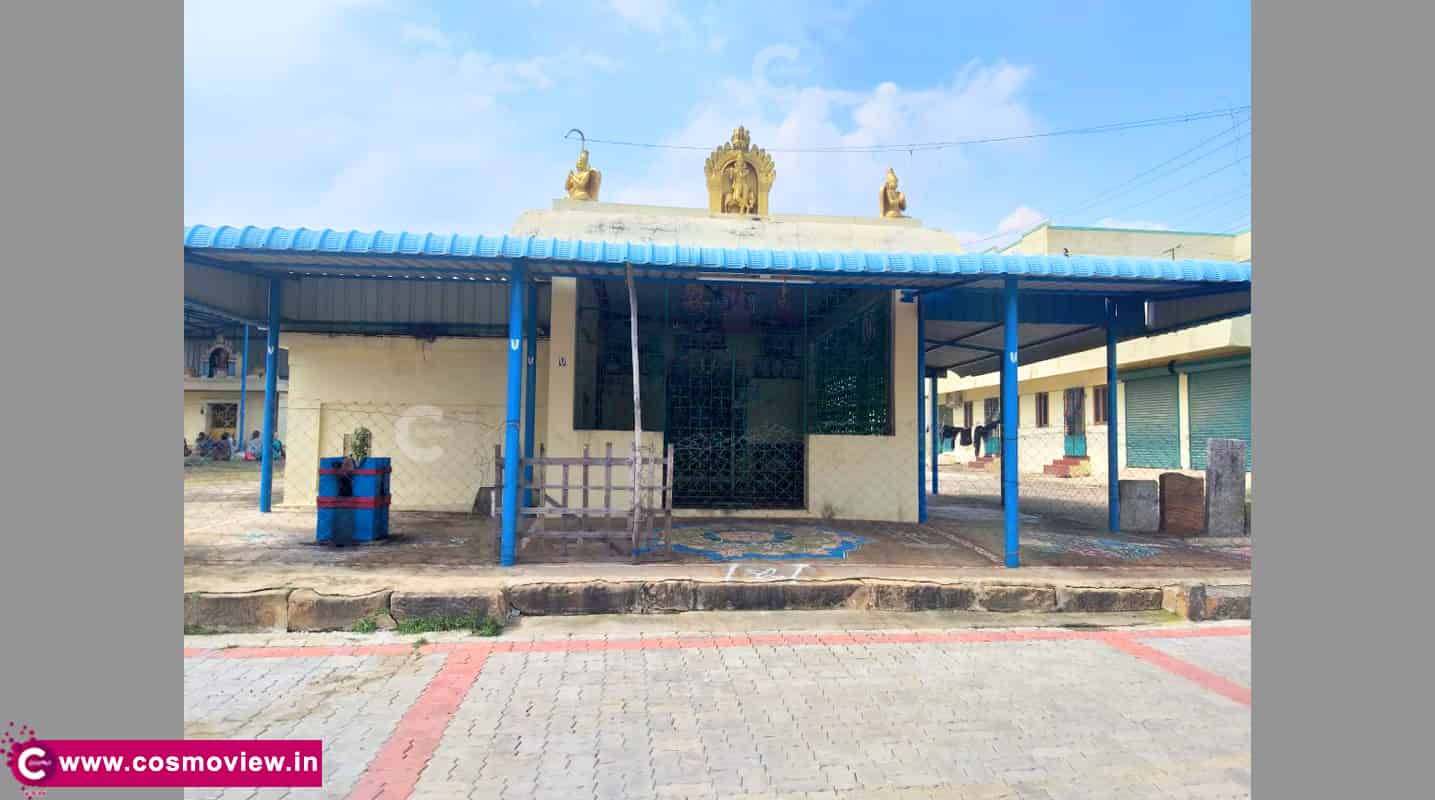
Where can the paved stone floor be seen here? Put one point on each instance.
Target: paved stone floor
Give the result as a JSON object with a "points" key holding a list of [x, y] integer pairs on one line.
{"points": [[223, 528], [793, 711]]}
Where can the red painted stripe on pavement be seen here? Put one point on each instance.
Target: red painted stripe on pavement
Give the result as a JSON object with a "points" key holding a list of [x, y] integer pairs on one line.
{"points": [[394, 772], [678, 643], [1185, 669]]}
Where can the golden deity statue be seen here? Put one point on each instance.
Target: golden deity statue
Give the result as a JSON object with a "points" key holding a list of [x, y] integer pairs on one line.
{"points": [[739, 177], [583, 181], [891, 201]]}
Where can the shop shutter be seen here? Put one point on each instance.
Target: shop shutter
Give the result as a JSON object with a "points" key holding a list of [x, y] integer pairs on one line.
{"points": [[1153, 430], [1220, 409]]}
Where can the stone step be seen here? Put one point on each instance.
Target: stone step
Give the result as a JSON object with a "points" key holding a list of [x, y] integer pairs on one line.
{"points": [[305, 609]]}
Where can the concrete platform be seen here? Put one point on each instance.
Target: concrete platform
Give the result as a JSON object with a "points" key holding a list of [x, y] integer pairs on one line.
{"points": [[250, 571]]}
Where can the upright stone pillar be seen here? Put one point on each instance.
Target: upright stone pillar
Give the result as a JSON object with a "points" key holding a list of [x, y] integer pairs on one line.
{"points": [[1225, 487]]}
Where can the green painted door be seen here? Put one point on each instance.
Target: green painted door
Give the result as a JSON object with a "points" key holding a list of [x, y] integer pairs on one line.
{"points": [[1220, 409], [1074, 420], [1152, 419]]}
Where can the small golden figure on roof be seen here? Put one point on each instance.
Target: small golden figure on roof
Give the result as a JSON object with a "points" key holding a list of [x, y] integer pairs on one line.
{"points": [[891, 201], [583, 181], [739, 176]]}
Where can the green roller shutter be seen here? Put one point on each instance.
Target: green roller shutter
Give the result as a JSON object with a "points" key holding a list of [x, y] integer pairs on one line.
{"points": [[1220, 409], [1151, 417]]}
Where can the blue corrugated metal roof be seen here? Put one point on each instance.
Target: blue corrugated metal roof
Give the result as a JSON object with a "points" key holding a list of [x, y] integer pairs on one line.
{"points": [[429, 245]]}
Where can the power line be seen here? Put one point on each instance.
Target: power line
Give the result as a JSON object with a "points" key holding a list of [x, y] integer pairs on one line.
{"points": [[1114, 192], [915, 146], [1182, 186], [1210, 204], [1243, 222]]}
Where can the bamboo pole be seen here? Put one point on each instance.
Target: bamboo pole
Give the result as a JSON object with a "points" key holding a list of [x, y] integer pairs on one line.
{"points": [[637, 404]]}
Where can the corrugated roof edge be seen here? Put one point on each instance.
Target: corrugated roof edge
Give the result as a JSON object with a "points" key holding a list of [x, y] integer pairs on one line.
{"points": [[404, 243]]}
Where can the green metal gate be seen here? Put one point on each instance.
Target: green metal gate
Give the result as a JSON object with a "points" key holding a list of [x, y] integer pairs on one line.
{"points": [[734, 398], [1220, 409], [1152, 421]]}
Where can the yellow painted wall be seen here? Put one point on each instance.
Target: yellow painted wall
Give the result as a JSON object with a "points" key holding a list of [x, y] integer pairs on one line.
{"points": [[435, 408], [874, 477], [196, 420], [1037, 447], [449, 396]]}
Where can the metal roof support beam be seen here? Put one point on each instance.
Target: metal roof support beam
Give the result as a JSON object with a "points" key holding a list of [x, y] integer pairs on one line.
{"points": [[244, 390], [509, 542], [215, 311], [271, 394], [973, 334], [936, 430], [1113, 428], [921, 418], [530, 396], [1008, 420], [1028, 345]]}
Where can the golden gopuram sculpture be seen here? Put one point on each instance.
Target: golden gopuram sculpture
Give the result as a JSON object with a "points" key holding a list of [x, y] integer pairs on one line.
{"points": [[739, 177], [891, 201], [583, 182]]}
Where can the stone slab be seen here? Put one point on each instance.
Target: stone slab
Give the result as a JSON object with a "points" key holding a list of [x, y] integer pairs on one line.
{"points": [[312, 611], [1103, 599], [1140, 506], [1225, 487], [1228, 602], [904, 596], [777, 595], [1183, 504], [1016, 598], [264, 610], [423, 605]]}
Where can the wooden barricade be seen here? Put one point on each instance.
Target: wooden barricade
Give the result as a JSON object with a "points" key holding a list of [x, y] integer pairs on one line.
{"points": [[541, 501]]}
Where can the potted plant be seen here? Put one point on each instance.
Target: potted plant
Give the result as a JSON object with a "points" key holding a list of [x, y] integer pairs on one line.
{"points": [[354, 493]]}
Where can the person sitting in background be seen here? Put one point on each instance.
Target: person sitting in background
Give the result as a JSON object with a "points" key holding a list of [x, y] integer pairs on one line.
{"points": [[221, 450], [254, 448], [202, 443]]}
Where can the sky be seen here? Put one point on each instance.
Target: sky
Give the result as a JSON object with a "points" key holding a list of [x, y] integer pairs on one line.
{"points": [[450, 117]]}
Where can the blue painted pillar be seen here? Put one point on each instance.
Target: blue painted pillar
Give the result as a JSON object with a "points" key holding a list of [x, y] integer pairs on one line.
{"points": [[921, 417], [530, 397], [1010, 500], [509, 543], [271, 393], [243, 392], [1113, 470], [936, 438]]}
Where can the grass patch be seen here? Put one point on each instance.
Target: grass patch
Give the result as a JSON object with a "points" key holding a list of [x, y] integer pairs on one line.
{"points": [[365, 625], [490, 626], [479, 624], [200, 630]]}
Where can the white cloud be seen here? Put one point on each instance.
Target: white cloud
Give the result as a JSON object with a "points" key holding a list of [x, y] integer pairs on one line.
{"points": [[654, 16], [1012, 226], [979, 100], [365, 129], [423, 34], [1140, 225]]}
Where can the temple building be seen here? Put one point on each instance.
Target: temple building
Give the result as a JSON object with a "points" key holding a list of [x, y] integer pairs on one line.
{"points": [[789, 361]]}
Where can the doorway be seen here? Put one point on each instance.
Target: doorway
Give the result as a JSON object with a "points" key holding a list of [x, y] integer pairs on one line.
{"points": [[1074, 414], [734, 413]]}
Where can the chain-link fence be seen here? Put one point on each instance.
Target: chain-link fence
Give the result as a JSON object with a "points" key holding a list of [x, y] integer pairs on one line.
{"points": [[1062, 468], [441, 456]]}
